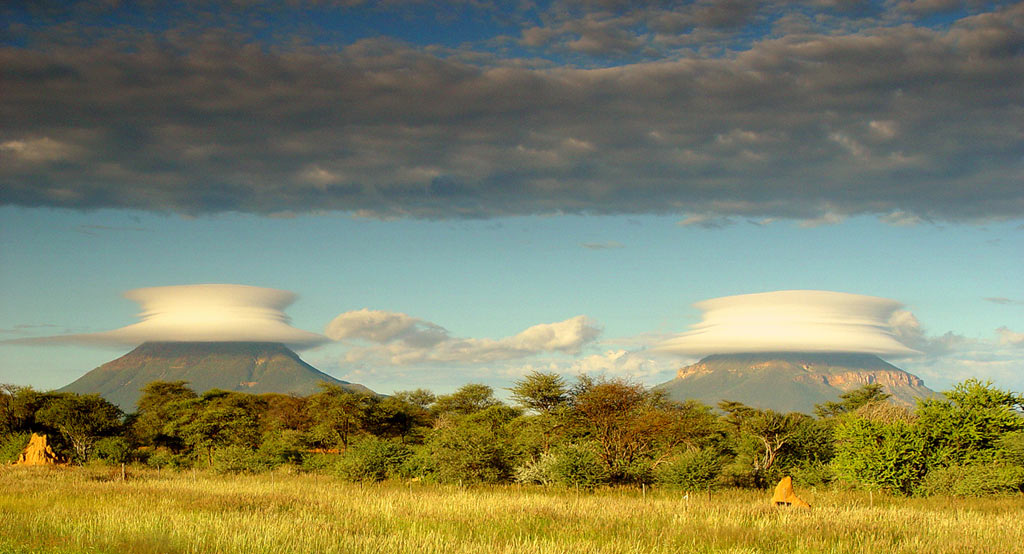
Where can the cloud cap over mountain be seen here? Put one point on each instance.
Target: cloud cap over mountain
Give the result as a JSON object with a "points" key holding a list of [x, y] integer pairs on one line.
{"points": [[202, 313], [791, 321]]}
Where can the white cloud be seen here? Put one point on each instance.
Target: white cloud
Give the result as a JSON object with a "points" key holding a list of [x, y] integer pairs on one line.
{"points": [[1010, 338], [381, 326], [794, 320], [400, 339]]}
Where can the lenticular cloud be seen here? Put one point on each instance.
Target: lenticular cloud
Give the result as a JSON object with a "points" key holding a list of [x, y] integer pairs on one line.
{"points": [[204, 313], [791, 321]]}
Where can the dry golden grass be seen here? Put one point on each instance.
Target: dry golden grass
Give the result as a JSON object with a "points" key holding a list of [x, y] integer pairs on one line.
{"points": [[88, 510]]}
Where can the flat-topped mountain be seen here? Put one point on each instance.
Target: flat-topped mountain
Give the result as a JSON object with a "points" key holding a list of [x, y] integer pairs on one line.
{"points": [[254, 367], [790, 381]]}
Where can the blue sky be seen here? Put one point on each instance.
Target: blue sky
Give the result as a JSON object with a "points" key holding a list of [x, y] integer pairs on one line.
{"points": [[492, 168]]}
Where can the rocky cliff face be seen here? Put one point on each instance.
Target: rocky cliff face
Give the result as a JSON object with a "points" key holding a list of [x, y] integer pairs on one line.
{"points": [[790, 381], [255, 367]]}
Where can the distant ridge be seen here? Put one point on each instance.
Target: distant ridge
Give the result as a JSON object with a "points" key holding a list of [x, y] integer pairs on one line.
{"points": [[790, 381], [254, 367]]}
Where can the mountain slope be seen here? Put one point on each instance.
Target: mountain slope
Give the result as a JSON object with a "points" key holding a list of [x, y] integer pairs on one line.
{"points": [[254, 367], [790, 381]]}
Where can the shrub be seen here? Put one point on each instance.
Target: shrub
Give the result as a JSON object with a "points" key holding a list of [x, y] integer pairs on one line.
{"points": [[112, 450], [281, 447], [372, 460], [695, 470], [1011, 446], [12, 445], [537, 472], [474, 448], [419, 465], [579, 465], [891, 455], [314, 462], [813, 474], [164, 459], [973, 480], [237, 459]]}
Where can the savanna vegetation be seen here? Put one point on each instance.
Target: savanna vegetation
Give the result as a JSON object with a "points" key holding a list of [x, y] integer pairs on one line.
{"points": [[581, 435], [591, 466]]}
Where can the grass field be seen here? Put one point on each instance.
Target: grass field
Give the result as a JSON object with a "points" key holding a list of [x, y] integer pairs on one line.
{"points": [[90, 510]]}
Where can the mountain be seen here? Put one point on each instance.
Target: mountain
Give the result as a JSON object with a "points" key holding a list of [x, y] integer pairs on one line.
{"points": [[790, 381], [254, 367]]}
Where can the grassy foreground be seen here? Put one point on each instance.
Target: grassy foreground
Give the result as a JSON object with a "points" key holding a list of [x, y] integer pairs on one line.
{"points": [[87, 510]]}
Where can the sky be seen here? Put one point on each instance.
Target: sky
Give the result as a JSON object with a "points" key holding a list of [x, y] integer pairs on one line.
{"points": [[457, 192]]}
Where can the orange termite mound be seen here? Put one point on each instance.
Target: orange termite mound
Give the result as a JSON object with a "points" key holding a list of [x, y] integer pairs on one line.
{"points": [[37, 453], [785, 496]]}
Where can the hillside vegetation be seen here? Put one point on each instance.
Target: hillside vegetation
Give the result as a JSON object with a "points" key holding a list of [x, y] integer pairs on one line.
{"points": [[584, 435]]}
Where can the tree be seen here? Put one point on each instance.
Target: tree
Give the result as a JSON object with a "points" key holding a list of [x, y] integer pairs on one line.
{"points": [[17, 408], [421, 398], [968, 425], [218, 418], [473, 448], [880, 448], [160, 404], [81, 420], [469, 399], [851, 400], [540, 392], [633, 425], [338, 414], [763, 436]]}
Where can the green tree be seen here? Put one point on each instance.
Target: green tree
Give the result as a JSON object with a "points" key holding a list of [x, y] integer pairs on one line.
{"points": [[338, 415], [969, 424], [541, 392], [880, 449], [762, 437], [17, 408], [851, 400], [473, 448], [635, 427], [160, 404], [81, 420], [218, 418], [469, 399]]}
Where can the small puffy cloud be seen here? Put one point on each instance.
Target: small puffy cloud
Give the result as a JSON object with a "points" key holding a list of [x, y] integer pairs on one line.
{"points": [[201, 313], [381, 326], [400, 339], [792, 321], [1010, 338]]}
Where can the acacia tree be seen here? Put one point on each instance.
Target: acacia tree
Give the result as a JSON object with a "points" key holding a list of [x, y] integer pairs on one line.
{"points": [[338, 414], [851, 400], [218, 418], [469, 399], [632, 424], [81, 419], [541, 392], [159, 405], [765, 434], [968, 425]]}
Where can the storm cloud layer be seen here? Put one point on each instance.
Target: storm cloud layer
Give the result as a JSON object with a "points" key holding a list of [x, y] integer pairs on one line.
{"points": [[793, 321], [201, 313], [906, 110]]}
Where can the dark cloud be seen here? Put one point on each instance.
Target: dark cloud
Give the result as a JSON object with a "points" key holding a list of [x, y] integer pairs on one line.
{"points": [[910, 120]]}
